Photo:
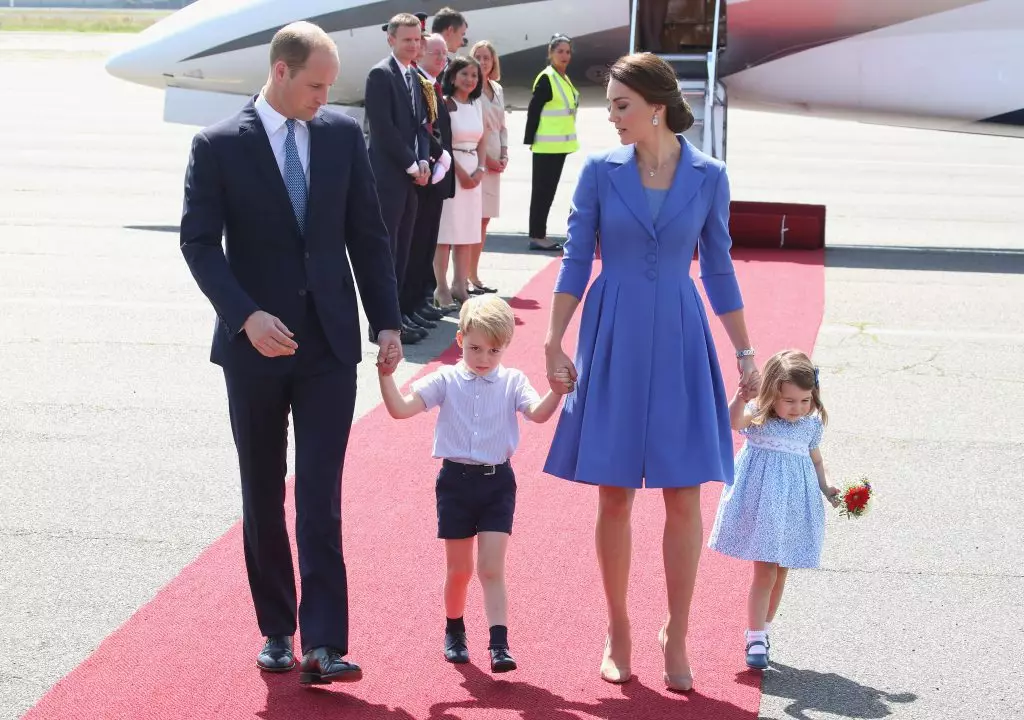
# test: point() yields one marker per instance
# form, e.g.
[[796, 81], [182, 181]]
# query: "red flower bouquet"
[[853, 500]]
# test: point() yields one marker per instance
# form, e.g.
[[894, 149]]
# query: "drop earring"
[[654, 120]]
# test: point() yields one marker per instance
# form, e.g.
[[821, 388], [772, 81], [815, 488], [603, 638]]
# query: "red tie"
[[437, 86]]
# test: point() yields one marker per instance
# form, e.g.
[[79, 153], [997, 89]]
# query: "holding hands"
[[750, 378], [390, 351], [561, 372]]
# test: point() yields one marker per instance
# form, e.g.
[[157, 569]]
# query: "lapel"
[[685, 184], [626, 179], [318, 168], [688, 178], [399, 82], [254, 136]]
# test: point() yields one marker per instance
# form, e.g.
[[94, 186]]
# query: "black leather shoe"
[[417, 319], [430, 313], [410, 336], [324, 665], [501, 660], [455, 650], [277, 654]]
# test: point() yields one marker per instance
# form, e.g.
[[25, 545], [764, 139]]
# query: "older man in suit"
[[287, 182], [399, 143], [420, 275]]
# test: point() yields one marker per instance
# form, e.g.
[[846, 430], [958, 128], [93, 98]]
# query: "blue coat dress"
[[650, 407]]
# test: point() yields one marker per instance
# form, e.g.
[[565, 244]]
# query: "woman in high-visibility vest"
[[551, 135]]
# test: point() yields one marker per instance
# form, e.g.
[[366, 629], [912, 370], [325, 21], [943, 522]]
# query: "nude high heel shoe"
[[610, 672], [676, 683]]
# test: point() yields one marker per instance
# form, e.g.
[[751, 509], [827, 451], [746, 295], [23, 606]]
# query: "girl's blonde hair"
[[788, 366], [495, 61], [490, 315]]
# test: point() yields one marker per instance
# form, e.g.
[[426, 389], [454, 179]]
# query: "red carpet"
[[190, 652]]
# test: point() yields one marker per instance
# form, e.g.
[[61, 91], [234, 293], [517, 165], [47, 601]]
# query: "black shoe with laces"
[[501, 660]]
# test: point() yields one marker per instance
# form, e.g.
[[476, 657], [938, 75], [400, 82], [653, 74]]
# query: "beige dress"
[[497, 138]]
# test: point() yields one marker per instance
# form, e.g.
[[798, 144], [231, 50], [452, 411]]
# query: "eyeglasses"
[[562, 37]]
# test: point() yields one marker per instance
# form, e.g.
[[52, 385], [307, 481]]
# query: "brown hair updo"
[[655, 81]]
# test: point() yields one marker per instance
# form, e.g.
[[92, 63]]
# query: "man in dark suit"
[[288, 184], [420, 275], [399, 143]]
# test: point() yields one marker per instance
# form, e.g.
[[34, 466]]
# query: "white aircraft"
[[945, 64]]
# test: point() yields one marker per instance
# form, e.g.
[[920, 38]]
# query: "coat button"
[[306, 255], [651, 274], [652, 258], [302, 293]]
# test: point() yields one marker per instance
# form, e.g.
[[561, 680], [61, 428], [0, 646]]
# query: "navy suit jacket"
[[393, 124], [234, 189]]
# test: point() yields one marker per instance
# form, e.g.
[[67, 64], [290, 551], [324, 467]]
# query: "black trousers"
[[419, 276], [547, 171], [320, 391], [398, 203]]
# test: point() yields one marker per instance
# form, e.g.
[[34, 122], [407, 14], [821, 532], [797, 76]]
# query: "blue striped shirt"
[[477, 422]]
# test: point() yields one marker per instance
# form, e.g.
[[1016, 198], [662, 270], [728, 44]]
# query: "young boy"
[[477, 432]]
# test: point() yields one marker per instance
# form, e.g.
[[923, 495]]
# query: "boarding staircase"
[[697, 74]]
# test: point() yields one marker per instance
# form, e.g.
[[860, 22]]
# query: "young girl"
[[477, 432], [772, 513]]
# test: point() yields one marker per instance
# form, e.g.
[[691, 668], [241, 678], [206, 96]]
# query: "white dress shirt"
[[274, 124], [478, 421]]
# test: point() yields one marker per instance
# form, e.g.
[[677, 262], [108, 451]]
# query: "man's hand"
[[389, 353], [269, 335]]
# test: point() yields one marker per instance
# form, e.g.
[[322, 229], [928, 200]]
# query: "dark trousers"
[[321, 393], [419, 276], [547, 171], [398, 206]]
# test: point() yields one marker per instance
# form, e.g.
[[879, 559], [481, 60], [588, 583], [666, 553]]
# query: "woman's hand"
[[560, 371], [750, 376]]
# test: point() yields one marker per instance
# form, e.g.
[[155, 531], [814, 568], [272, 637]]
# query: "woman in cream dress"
[[496, 136], [460, 215]]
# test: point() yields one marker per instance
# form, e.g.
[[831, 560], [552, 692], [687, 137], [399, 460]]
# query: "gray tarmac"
[[116, 462]]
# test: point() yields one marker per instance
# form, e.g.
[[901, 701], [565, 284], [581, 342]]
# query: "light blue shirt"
[[477, 421]]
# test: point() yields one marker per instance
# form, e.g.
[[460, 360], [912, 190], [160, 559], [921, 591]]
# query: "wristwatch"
[[748, 352]]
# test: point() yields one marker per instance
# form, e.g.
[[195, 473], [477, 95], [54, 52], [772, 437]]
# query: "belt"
[[468, 151], [474, 469]]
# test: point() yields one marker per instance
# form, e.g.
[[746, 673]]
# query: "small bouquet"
[[853, 500]]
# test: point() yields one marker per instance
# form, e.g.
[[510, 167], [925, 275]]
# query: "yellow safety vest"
[[556, 132]]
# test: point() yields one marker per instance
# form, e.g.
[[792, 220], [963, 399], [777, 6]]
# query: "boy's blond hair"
[[490, 315]]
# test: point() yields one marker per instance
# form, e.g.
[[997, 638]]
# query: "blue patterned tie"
[[294, 177]]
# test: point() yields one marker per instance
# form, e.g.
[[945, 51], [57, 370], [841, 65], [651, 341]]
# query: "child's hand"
[[387, 365], [562, 375], [832, 493]]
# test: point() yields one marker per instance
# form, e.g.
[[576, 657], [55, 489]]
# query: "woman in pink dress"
[[460, 215]]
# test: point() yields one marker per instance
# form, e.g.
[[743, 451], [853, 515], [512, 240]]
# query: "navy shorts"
[[473, 499]]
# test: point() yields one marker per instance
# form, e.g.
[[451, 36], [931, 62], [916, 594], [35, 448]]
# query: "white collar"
[[404, 68], [272, 120]]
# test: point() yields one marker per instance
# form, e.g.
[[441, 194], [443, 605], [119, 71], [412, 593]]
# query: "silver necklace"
[[655, 171]]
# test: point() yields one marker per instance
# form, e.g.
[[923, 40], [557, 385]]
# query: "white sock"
[[754, 636]]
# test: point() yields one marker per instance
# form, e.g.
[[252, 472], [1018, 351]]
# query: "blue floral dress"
[[774, 510]]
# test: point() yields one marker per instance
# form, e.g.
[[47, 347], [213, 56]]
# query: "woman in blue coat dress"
[[647, 406]]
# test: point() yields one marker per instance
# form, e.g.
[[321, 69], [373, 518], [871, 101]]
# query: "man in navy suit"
[[287, 182], [399, 143]]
